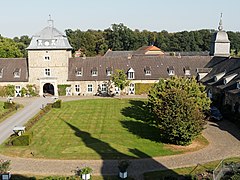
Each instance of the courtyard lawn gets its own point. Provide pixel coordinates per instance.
(2, 111)
(94, 129)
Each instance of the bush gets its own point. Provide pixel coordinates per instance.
(141, 88)
(3, 92)
(23, 140)
(62, 89)
(8, 105)
(57, 104)
(4, 166)
(38, 116)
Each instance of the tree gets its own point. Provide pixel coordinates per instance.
(119, 79)
(178, 106)
(9, 48)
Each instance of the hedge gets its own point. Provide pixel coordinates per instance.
(62, 89)
(23, 140)
(38, 116)
(8, 105)
(143, 88)
(57, 104)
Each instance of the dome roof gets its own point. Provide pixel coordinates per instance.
(220, 37)
(49, 38)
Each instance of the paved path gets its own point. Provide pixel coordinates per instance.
(224, 140)
(32, 107)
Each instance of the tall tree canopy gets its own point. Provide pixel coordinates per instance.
(178, 106)
(9, 48)
(119, 37)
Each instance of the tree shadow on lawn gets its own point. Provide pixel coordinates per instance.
(141, 125)
(111, 157)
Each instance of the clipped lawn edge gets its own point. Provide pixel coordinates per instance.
(192, 170)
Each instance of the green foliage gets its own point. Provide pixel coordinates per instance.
(62, 89)
(4, 166)
(8, 105)
(31, 90)
(119, 78)
(57, 104)
(23, 140)
(86, 170)
(9, 48)
(178, 105)
(142, 88)
(23, 91)
(10, 90)
(3, 92)
(38, 116)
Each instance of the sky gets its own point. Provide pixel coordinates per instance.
(27, 17)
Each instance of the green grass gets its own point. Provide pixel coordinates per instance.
(2, 111)
(199, 169)
(94, 129)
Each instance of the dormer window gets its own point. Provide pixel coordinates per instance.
(94, 71)
(228, 78)
(17, 73)
(238, 85)
(171, 71)
(1, 72)
(147, 71)
(218, 76)
(109, 71)
(78, 71)
(131, 74)
(187, 71)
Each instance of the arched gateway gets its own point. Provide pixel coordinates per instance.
(48, 88)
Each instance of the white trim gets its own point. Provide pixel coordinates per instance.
(89, 87)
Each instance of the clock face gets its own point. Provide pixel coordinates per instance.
(46, 43)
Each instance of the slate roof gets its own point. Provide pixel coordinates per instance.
(11, 65)
(111, 53)
(49, 38)
(228, 65)
(159, 66)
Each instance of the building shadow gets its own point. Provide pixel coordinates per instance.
(228, 126)
(110, 156)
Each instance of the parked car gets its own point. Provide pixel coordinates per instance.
(215, 114)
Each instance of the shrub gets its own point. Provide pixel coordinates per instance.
(8, 105)
(4, 166)
(57, 104)
(141, 88)
(62, 89)
(10, 90)
(23, 140)
(38, 116)
(3, 92)
(86, 170)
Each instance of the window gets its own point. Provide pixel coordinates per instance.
(131, 74)
(187, 71)
(90, 88)
(17, 73)
(109, 71)
(78, 71)
(46, 58)
(147, 71)
(47, 72)
(94, 71)
(238, 85)
(104, 88)
(77, 88)
(1, 72)
(171, 71)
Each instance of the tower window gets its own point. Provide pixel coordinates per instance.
(47, 72)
